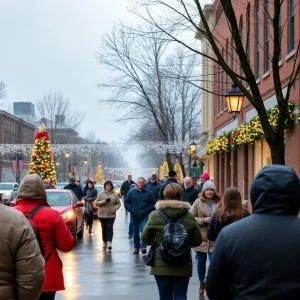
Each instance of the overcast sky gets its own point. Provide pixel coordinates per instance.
(51, 46)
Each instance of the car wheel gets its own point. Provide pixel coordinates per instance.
(81, 232)
(75, 234)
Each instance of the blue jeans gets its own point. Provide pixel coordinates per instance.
(172, 287)
(137, 228)
(201, 264)
(130, 229)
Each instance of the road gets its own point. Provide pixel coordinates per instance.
(90, 272)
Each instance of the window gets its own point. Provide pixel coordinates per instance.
(257, 39)
(262, 155)
(241, 37)
(248, 32)
(222, 86)
(280, 30)
(266, 36)
(232, 54)
(291, 25)
(227, 76)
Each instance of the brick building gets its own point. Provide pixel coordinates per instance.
(238, 167)
(13, 131)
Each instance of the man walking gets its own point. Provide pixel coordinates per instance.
(190, 193)
(125, 188)
(76, 189)
(139, 202)
(154, 186)
(171, 179)
(258, 256)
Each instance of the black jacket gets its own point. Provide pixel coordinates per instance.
(163, 186)
(190, 195)
(215, 225)
(257, 258)
(75, 189)
(154, 188)
(125, 187)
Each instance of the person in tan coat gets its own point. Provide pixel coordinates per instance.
(203, 209)
(21, 263)
(108, 203)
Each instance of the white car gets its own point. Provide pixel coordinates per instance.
(8, 190)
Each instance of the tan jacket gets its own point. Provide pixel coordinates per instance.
(200, 211)
(21, 263)
(107, 209)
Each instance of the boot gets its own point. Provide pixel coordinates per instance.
(136, 251)
(104, 245)
(90, 229)
(109, 247)
(201, 289)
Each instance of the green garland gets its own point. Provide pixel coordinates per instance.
(248, 133)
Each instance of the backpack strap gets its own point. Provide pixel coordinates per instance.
(163, 215)
(36, 210)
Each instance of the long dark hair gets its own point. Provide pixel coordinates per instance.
(87, 184)
(231, 205)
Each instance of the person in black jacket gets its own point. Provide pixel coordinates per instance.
(171, 179)
(231, 211)
(125, 188)
(258, 256)
(190, 193)
(76, 189)
(153, 186)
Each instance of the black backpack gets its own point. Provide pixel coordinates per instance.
(175, 247)
(36, 230)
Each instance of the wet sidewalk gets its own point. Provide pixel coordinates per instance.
(93, 273)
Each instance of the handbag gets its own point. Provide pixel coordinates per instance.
(149, 258)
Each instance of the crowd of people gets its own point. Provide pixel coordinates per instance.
(251, 256)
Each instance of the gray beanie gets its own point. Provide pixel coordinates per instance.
(208, 185)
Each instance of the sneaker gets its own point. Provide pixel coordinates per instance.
(104, 245)
(144, 251)
(109, 247)
(130, 237)
(136, 251)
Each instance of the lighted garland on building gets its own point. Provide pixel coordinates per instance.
(248, 133)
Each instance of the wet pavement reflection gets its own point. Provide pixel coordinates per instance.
(91, 272)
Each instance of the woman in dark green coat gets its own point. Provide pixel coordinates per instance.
(172, 279)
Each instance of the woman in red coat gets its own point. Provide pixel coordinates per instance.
(55, 233)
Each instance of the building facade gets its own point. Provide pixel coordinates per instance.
(14, 131)
(238, 166)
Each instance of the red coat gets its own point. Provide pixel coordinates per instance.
(55, 234)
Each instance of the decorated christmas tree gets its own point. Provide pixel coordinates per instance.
(99, 175)
(178, 170)
(161, 173)
(165, 169)
(41, 158)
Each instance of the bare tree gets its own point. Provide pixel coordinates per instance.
(2, 90)
(56, 112)
(146, 86)
(177, 17)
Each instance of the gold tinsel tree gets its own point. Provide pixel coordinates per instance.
(41, 157)
(178, 170)
(164, 169)
(161, 173)
(99, 175)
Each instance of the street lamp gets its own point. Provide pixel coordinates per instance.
(88, 171)
(67, 155)
(234, 99)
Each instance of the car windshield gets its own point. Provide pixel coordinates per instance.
(99, 188)
(58, 199)
(6, 186)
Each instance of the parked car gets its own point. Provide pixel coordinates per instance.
(61, 185)
(99, 187)
(9, 191)
(70, 209)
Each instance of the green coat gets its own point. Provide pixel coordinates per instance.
(154, 231)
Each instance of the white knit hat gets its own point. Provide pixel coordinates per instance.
(208, 185)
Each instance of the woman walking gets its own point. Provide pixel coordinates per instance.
(108, 203)
(89, 196)
(231, 211)
(172, 279)
(203, 209)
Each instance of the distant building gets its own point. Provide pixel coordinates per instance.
(25, 111)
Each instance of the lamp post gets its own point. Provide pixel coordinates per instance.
(88, 171)
(191, 153)
(234, 99)
(67, 155)
(57, 166)
(17, 165)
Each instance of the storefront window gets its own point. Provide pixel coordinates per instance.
(262, 155)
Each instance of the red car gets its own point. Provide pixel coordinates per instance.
(70, 209)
